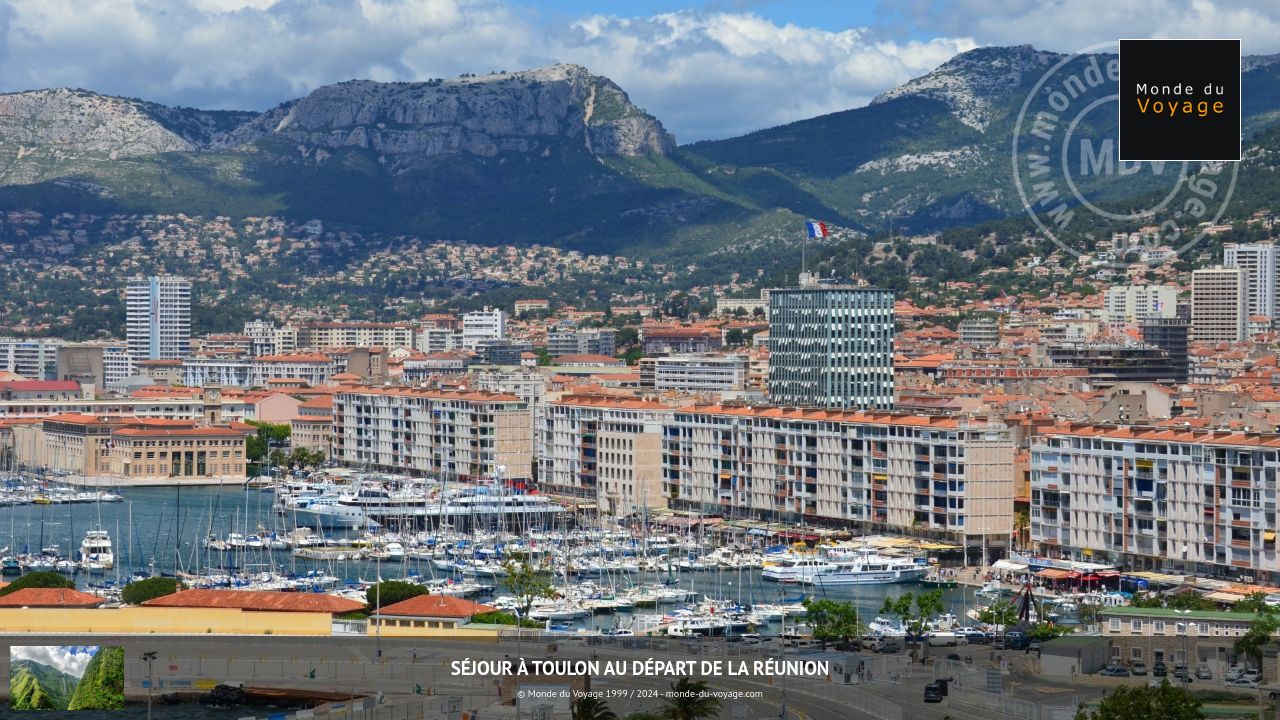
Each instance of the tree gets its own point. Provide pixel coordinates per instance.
(588, 707)
(273, 433)
(1255, 603)
(689, 700)
(735, 337)
(526, 581)
(39, 580)
(927, 604)
(1167, 702)
(140, 591)
(831, 620)
(1190, 601)
(1260, 632)
(390, 592)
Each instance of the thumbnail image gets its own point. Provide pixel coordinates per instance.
(66, 677)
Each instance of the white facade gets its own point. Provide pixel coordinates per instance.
(33, 359)
(117, 363)
(159, 318)
(695, 372)
(436, 339)
(1259, 261)
(1125, 304)
(487, 324)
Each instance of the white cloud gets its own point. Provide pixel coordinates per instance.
(70, 659)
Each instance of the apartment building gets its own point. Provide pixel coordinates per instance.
(605, 451)
(313, 369)
(591, 341)
(486, 324)
(878, 471)
(474, 436)
(97, 364)
(707, 372)
(1174, 499)
(312, 428)
(354, 334)
(1259, 262)
(980, 331)
(159, 318)
(676, 340)
(1219, 304)
(1126, 304)
(33, 359)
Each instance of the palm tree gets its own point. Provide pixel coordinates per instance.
(591, 708)
(689, 700)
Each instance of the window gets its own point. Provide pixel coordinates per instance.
(1114, 625)
(1159, 627)
(1135, 625)
(1136, 653)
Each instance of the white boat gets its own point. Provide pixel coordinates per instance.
(791, 569)
(95, 551)
(867, 568)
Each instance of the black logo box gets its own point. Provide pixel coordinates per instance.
(1186, 69)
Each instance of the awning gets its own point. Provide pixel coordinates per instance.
(757, 531)
(1008, 565)
(1268, 536)
(1224, 597)
(1054, 574)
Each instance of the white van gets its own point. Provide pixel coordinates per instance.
(947, 639)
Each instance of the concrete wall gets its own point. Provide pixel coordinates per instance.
(144, 620)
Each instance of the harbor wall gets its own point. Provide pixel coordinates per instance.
(176, 621)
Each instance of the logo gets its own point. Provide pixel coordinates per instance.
(1070, 179)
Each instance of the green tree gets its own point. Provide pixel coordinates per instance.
(390, 592)
(735, 337)
(1147, 600)
(1167, 702)
(526, 581)
(689, 700)
(38, 580)
(927, 605)
(831, 620)
(1260, 633)
(257, 443)
(588, 707)
(1255, 603)
(140, 591)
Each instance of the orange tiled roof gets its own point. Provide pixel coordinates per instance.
(257, 600)
(49, 597)
(436, 606)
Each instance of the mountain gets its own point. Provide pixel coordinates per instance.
(555, 156)
(36, 686)
(102, 687)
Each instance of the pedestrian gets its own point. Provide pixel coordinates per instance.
(415, 656)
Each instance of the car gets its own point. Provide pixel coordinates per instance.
(1159, 669)
(932, 693)
(1137, 667)
(887, 646)
(1180, 672)
(1234, 672)
(1113, 671)
(1252, 675)
(1034, 646)
(997, 643)
(974, 636)
(1242, 683)
(1203, 672)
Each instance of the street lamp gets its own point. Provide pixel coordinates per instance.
(150, 658)
(1186, 658)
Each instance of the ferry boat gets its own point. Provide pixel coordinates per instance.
(95, 551)
(792, 569)
(869, 568)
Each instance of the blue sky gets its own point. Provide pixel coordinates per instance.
(706, 69)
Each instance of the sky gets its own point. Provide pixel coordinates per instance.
(706, 68)
(70, 659)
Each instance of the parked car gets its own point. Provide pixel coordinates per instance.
(1180, 672)
(1203, 672)
(1159, 669)
(1113, 671)
(1034, 646)
(946, 639)
(1233, 672)
(1241, 682)
(1252, 675)
(932, 693)
(1137, 667)
(887, 645)
(974, 636)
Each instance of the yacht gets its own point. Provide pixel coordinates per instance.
(95, 551)
(792, 569)
(869, 568)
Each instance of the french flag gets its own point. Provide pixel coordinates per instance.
(816, 229)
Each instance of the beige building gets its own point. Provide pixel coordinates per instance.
(458, 435)
(605, 451)
(878, 470)
(312, 427)
(1219, 304)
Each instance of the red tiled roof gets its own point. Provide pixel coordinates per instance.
(40, 385)
(49, 597)
(179, 431)
(436, 606)
(318, 402)
(296, 357)
(257, 600)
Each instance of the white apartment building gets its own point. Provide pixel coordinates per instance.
(470, 436)
(1259, 261)
(1179, 500)
(198, 371)
(1219, 304)
(530, 386)
(703, 372)
(877, 470)
(32, 358)
(486, 324)
(1128, 304)
(159, 318)
(605, 451)
(313, 369)
(438, 339)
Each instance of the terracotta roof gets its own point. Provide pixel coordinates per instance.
(296, 357)
(184, 432)
(588, 358)
(474, 395)
(49, 597)
(40, 385)
(436, 606)
(257, 600)
(318, 402)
